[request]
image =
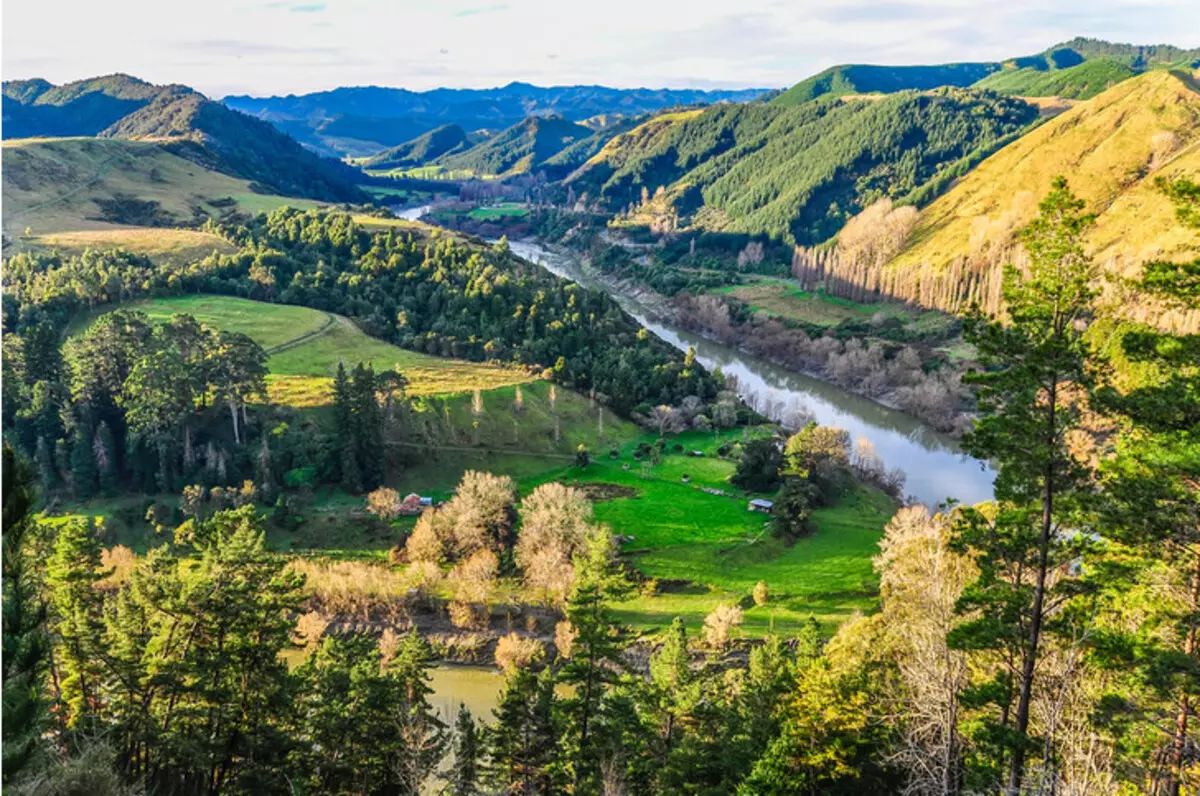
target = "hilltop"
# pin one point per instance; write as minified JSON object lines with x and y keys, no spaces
{"x":362,"y":121}
{"x":207,"y":132}
{"x":85,"y":107}
{"x":795,"y":172}
{"x":1077,"y":69}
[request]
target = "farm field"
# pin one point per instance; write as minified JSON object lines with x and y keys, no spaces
{"x":162,"y":245}
{"x":502,"y":210}
{"x":301,"y":374}
{"x":703,"y":548}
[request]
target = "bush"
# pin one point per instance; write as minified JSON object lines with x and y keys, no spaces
{"x":761,"y":594}
{"x":299,"y":477}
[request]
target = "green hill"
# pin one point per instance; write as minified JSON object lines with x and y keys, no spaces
{"x":797,"y":172}
{"x":520,"y":149}
{"x":85,"y":107}
{"x":851,"y":79}
{"x":237,"y":144}
{"x":1082,"y":81}
{"x":445,"y":140}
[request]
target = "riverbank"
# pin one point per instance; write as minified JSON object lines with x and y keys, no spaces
{"x":936,"y":468}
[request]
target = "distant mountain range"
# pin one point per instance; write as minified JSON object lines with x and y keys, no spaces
{"x":120,"y":106}
{"x":363,"y":121}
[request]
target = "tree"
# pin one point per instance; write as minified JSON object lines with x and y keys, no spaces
{"x":1151,"y":497}
{"x":239,"y":373}
{"x":555,"y":523}
{"x":464,"y":775}
{"x":758,"y":468}
{"x":26,"y":651}
{"x":665,"y":419}
{"x":71,"y":576}
{"x":384,"y":503}
{"x":595,"y":651}
{"x":523,"y":744}
{"x":1032,"y":382}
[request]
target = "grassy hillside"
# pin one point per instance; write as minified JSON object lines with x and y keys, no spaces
{"x":78,"y":185}
{"x":239,"y":145}
{"x":1082,"y":81}
{"x":850,"y":79}
{"x":1110,"y":148}
{"x":306,"y":345}
{"x":520,"y":149}
{"x":796,"y":173}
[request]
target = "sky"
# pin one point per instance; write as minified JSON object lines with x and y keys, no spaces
{"x":266,"y":47}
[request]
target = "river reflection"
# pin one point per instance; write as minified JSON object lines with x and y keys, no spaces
{"x":935,"y":467}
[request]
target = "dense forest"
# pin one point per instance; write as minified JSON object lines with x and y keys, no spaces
{"x":797,"y":173}
{"x":1042,"y":642}
{"x":66,"y":402}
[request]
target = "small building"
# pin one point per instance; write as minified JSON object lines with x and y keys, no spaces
{"x":759,"y":504}
{"x":695,"y":453}
{"x":414,"y":504}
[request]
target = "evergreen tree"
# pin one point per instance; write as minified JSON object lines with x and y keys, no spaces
{"x":1034,"y":378}
{"x":464,"y":776}
{"x":524,"y":743}
{"x":104,"y":450}
{"x":25,"y":647}
{"x":71,"y":575}
{"x":83,"y":461}
{"x":595,"y":652}
{"x":1151,"y":502}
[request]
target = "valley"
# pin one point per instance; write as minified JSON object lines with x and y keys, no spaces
{"x":835,"y":438}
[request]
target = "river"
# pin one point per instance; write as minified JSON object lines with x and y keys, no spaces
{"x":935,"y":467}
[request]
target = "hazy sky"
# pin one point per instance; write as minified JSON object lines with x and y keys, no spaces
{"x":295,"y":46}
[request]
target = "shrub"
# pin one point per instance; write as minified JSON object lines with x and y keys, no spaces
{"x":515,"y":652}
{"x":761,"y":594}
{"x":720,"y":624}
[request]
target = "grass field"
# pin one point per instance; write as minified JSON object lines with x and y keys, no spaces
{"x":786,"y":299}
{"x":502,"y":210}
{"x":159,"y":244}
{"x":301,"y":372}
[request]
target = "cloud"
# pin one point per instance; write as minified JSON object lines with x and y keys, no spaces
{"x":471,"y":12}
{"x":297,"y":8}
{"x":295,"y":46}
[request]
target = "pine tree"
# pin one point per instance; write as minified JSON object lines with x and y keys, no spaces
{"x":1151,"y":495}
{"x":26,"y":649}
{"x":83,"y":461}
{"x":595,"y":654}
{"x":464,"y":776}
{"x":105,"y":452}
{"x":71,"y":575}
{"x":523,"y":744}
{"x":342,"y":410}
{"x":1033,"y":380}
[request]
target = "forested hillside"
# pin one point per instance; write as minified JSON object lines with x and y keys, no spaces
{"x":840,"y":81}
{"x":1114,"y":148}
{"x":796,"y":173}
{"x":521,"y":149}
{"x":84,"y":107}
{"x":445,"y":140}
{"x":119,"y":106}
